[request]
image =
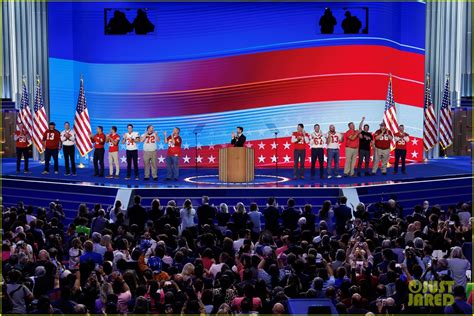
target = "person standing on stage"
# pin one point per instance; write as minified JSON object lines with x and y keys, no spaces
{"x":68,"y":138}
{"x":131,"y":139}
{"x":22,"y":140}
{"x":300,"y":140}
{"x":382,"y":137}
{"x":333,"y":141}
{"x":52,"y":145}
{"x":352,"y":147}
{"x":401,"y":140}
{"x":174,"y":152}
{"x":317,"y":144}
{"x":238,"y":140}
{"x":365,"y":144}
{"x":113,"y":139}
{"x":149,"y":139}
{"x":99,"y":151}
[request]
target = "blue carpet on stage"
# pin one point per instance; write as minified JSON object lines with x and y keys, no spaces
{"x":189,"y":177}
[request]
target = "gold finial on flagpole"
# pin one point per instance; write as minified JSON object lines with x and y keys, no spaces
{"x":82,"y":77}
{"x":37,"y":78}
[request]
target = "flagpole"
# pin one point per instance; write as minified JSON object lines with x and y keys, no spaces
{"x":448,"y":87}
{"x":426,"y":152}
{"x":81,"y":165}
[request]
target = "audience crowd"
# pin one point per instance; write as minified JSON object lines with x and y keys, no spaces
{"x":241,"y":259}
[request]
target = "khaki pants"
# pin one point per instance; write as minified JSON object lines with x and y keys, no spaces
{"x":381,"y":155}
{"x":351,"y":158}
{"x":149,"y":158}
{"x":113,"y":160}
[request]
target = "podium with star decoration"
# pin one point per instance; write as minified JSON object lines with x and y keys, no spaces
{"x":236,"y":164}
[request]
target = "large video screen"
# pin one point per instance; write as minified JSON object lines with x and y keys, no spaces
{"x":209,"y":67}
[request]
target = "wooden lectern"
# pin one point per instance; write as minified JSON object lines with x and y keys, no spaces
{"x":236,"y":164}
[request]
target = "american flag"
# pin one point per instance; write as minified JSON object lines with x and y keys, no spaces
{"x":446,"y":119}
{"x":25,"y":117}
{"x":82,"y":124}
{"x":390,"y":113}
{"x":430,"y":122}
{"x":40,"y":122}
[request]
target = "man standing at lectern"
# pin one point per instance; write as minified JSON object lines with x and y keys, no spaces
{"x":238,"y":140}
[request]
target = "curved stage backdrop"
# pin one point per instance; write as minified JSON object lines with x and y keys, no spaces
{"x":210,"y":67}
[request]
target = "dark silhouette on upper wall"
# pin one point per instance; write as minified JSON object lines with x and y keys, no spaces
{"x":119,"y":24}
{"x":142,"y":24}
{"x":327,"y":22}
{"x":351,"y":24}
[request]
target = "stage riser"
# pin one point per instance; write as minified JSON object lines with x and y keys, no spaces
{"x":444,"y":193}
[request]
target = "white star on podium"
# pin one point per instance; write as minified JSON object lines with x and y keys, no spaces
{"x":274,"y":158}
{"x":212,"y":159}
{"x":286,"y":158}
{"x":274,"y":145}
{"x":261,"y":159}
{"x":287,"y":145}
{"x":199,"y":159}
{"x":186,"y":159}
{"x":161,"y":159}
{"x":414,"y":141}
{"x":414,"y":154}
{"x":261,"y":145}
{"x":123,"y":159}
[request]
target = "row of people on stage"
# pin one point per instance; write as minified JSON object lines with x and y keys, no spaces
{"x":358,"y":143}
{"x":54,"y":141}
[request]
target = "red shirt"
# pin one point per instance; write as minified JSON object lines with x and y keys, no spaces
{"x":382,"y":143}
{"x":174,"y":149}
{"x":52,"y":139}
{"x":400,"y":142}
{"x":300,"y":144}
{"x":21,"y":140}
{"x":99,"y":140}
{"x":113,"y":147}
{"x":352,"y":143}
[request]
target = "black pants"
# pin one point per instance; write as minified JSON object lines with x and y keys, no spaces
{"x":400,"y":154}
{"x":132,"y":155}
{"x":22,"y":152}
{"x":364,"y":155}
{"x":317,"y":153}
{"x":99,"y":161}
{"x":48,"y":153}
{"x":69,"y":157}
{"x":299,"y":155}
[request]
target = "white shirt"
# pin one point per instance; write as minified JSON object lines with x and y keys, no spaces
{"x":149,"y":143}
{"x":130,"y":140}
{"x":334,"y":140}
{"x":318,"y":140}
{"x":72,"y":137}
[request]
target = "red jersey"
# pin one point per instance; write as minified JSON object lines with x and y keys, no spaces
{"x":383,"y":143}
{"x":302,"y":143}
{"x":113,"y":138}
{"x":401,"y":140}
{"x":98,"y":140}
{"x":52,"y":138}
{"x":174,"y":149}
{"x":352,"y":143}
{"x":21,"y":140}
